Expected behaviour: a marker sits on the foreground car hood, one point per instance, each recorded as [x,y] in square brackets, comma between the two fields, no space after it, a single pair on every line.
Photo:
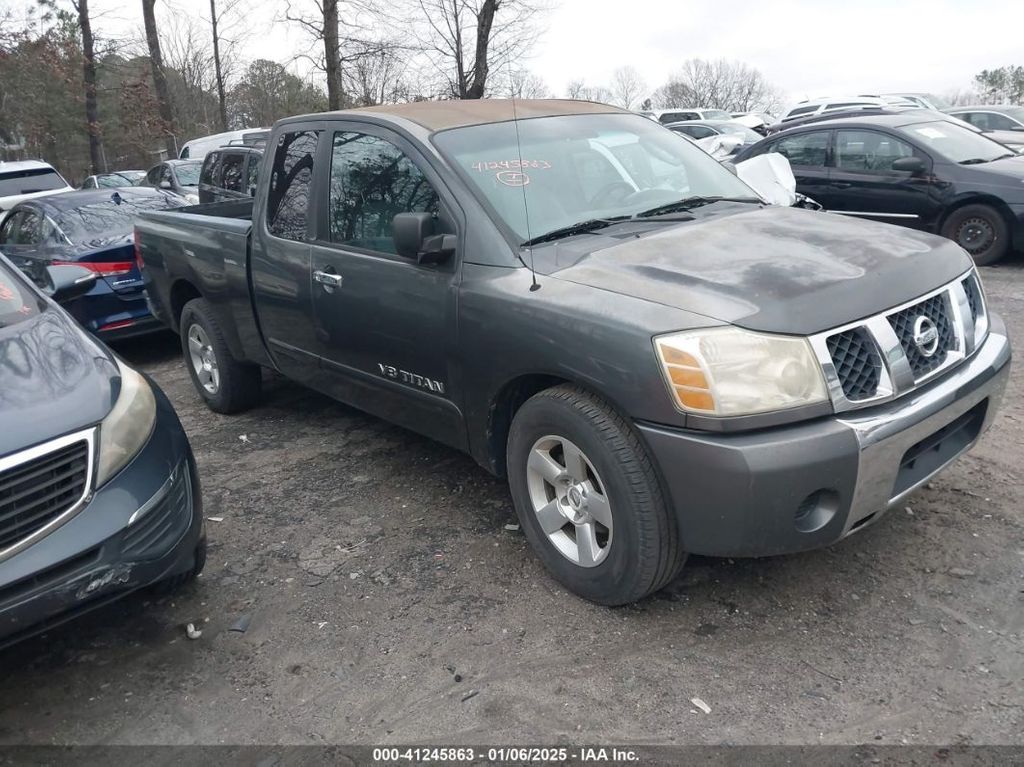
[781,270]
[54,379]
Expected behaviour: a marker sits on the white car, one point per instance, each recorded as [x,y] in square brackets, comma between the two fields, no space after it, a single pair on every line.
[24,179]
[844,103]
[684,114]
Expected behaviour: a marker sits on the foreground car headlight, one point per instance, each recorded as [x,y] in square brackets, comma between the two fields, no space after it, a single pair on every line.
[730,372]
[127,426]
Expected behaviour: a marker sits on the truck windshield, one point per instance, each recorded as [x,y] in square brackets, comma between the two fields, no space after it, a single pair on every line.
[571,168]
[16,301]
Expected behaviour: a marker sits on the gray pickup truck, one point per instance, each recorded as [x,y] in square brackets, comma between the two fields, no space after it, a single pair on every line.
[591,306]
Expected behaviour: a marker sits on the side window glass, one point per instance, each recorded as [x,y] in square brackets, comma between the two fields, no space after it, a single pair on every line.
[153,177]
[232,164]
[806,149]
[165,177]
[1000,122]
[209,173]
[9,230]
[28,229]
[869,151]
[371,182]
[290,180]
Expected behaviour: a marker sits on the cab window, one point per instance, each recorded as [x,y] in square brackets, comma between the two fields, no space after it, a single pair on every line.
[290,180]
[809,150]
[232,172]
[869,151]
[372,181]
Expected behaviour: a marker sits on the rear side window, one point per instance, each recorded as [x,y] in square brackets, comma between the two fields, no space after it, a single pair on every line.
[291,178]
[805,149]
[29,181]
[252,174]
[232,166]
[209,173]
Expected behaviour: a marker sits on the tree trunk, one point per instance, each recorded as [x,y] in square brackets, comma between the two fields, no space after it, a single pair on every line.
[163,97]
[332,55]
[217,69]
[484,22]
[89,75]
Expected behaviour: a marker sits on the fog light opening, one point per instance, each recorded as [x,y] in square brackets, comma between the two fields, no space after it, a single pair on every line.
[816,510]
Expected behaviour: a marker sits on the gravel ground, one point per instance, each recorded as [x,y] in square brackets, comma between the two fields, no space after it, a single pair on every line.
[390,603]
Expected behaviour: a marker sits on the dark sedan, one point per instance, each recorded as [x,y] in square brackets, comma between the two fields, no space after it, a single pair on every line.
[914,170]
[91,228]
[99,493]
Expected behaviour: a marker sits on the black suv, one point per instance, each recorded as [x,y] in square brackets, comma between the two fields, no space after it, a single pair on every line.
[229,173]
[915,169]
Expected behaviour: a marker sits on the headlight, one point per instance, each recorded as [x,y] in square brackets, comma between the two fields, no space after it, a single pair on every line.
[127,427]
[729,371]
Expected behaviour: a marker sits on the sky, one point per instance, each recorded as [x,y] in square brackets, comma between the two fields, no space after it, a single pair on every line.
[806,48]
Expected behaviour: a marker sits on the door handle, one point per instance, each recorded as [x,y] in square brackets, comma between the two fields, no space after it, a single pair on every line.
[329,280]
[841,184]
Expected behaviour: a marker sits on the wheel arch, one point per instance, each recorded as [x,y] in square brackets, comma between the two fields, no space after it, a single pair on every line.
[981,198]
[182,291]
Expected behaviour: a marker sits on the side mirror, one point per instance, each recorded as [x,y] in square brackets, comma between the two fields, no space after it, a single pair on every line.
[414,237]
[68,282]
[909,165]
[1017,128]
[165,184]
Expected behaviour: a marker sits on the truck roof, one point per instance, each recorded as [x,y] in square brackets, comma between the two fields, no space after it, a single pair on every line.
[439,115]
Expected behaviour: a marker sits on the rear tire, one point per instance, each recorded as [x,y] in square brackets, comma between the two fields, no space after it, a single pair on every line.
[981,231]
[571,454]
[224,383]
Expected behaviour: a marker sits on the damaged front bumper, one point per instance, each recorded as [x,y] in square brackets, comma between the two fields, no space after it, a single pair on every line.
[141,527]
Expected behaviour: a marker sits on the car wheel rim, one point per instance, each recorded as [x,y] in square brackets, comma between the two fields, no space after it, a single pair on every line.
[204,361]
[976,235]
[570,501]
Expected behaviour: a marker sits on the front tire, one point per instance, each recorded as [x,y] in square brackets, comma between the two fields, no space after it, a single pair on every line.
[224,383]
[981,231]
[588,498]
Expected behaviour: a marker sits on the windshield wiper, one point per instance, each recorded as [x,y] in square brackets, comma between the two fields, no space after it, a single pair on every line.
[688,203]
[974,161]
[580,227]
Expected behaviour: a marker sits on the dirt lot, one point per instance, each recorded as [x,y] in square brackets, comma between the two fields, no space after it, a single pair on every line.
[389,603]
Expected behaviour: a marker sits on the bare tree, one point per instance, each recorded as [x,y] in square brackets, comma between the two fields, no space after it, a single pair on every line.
[221,98]
[959,97]
[465,41]
[163,97]
[92,120]
[579,90]
[721,84]
[524,84]
[628,87]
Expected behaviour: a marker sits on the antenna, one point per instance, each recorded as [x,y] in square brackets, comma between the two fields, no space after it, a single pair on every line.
[534,285]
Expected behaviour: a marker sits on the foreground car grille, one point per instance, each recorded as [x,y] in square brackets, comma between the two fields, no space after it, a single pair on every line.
[937,310]
[41,486]
[887,355]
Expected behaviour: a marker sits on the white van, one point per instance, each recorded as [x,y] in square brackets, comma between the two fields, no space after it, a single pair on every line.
[198,148]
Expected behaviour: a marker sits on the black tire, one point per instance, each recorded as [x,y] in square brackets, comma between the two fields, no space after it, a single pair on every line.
[239,383]
[175,582]
[643,547]
[981,231]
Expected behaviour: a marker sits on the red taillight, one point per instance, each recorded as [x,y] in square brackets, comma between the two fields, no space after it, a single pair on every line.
[117,325]
[138,248]
[102,268]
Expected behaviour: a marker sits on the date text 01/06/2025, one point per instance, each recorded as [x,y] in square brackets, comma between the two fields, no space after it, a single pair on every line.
[503,754]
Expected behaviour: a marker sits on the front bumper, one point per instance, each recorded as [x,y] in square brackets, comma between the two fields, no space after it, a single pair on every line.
[804,486]
[142,526]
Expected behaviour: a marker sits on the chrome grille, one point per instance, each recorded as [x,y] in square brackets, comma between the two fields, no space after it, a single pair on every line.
[857,363]
[40,487]
[877,359]
[936,309]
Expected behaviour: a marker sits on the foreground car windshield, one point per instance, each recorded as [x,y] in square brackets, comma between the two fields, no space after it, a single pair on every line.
[188,175]
[110,220]
[16,302]
[573,168]
[954,143]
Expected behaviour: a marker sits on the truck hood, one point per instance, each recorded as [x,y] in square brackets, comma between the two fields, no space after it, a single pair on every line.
[54,380]
[774,269]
